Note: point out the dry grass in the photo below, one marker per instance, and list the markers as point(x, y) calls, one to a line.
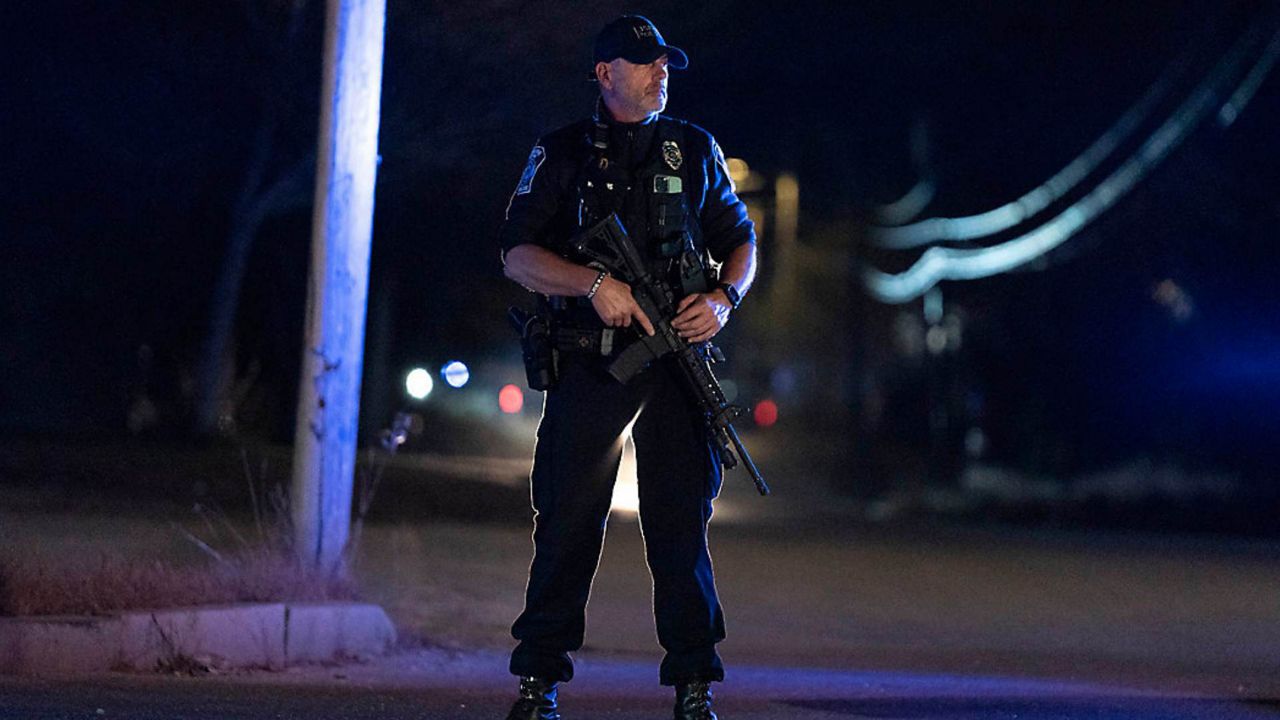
point(239, 562)
point(42, 587)
point(236, 563)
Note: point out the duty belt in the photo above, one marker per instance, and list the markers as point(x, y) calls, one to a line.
point(569, 338)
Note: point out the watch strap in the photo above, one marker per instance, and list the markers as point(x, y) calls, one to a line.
point(731, 292)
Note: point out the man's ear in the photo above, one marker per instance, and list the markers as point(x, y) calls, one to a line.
point(604, 75)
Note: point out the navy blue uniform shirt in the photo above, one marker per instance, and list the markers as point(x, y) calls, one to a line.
point(543, 209)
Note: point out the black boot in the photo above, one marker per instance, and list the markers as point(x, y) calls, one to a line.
point(537, 701)
point(693, 701)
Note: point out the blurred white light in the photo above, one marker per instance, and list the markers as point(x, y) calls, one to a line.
point(730, 389)
point(744, 179)
point(626, 490)
point(933, 306)
point(418, 383)
point(455, 374)
point(936, 340)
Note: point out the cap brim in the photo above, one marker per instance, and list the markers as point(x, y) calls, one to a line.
point(676, 59)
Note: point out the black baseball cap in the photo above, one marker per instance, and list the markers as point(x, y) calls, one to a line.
point(635, 39)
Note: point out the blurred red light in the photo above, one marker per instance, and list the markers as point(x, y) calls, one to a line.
point(511, 399)
point(766, 413)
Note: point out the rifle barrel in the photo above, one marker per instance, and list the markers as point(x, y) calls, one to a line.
point(756, 477)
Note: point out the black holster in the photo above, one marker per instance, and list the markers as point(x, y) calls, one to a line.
point(541, 358)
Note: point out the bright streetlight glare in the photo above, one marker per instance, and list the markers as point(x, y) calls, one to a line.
point(418, 383)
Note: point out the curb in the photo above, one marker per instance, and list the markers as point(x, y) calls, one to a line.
point(268, 635)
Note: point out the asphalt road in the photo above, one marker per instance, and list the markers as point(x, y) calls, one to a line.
point(612, 691)
point(828, 617)
point(824, 622)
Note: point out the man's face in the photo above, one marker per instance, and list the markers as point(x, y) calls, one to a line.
point(640, 89)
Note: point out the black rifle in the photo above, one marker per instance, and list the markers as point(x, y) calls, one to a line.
point(607, 244)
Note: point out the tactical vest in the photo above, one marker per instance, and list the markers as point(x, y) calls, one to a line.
point(654, 202)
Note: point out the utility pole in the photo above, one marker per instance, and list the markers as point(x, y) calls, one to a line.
point(338, 286)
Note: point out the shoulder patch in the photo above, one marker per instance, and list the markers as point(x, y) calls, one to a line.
point(536, 157)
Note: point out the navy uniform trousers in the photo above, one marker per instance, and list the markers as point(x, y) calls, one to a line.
point(576, 462)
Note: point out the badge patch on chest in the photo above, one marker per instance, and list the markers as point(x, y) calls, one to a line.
point(671, 154)
point(530, 170)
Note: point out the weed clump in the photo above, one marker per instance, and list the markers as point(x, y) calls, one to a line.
point(39, 586)
point(249, 560)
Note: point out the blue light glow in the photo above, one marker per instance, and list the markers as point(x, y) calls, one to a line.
point(906, 207)
point(1243, 94)
point(455, 373)
point(1010, 214)
point(941, 263)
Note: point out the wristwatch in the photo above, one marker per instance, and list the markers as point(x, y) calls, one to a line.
point(731, 292)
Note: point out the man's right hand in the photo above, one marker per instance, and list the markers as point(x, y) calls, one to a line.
point(615, 305)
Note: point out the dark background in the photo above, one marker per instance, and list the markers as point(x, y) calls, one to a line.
point(143, 138)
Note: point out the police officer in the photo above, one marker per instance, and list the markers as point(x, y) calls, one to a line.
point(667, 181)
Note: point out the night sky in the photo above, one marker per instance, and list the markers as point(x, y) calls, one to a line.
point(142, 135)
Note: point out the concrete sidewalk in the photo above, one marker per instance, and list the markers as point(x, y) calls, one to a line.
point(268, 635)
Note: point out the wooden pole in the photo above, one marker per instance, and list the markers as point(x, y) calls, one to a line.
point(337, 289)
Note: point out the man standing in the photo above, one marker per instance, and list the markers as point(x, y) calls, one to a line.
point(668, 183)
